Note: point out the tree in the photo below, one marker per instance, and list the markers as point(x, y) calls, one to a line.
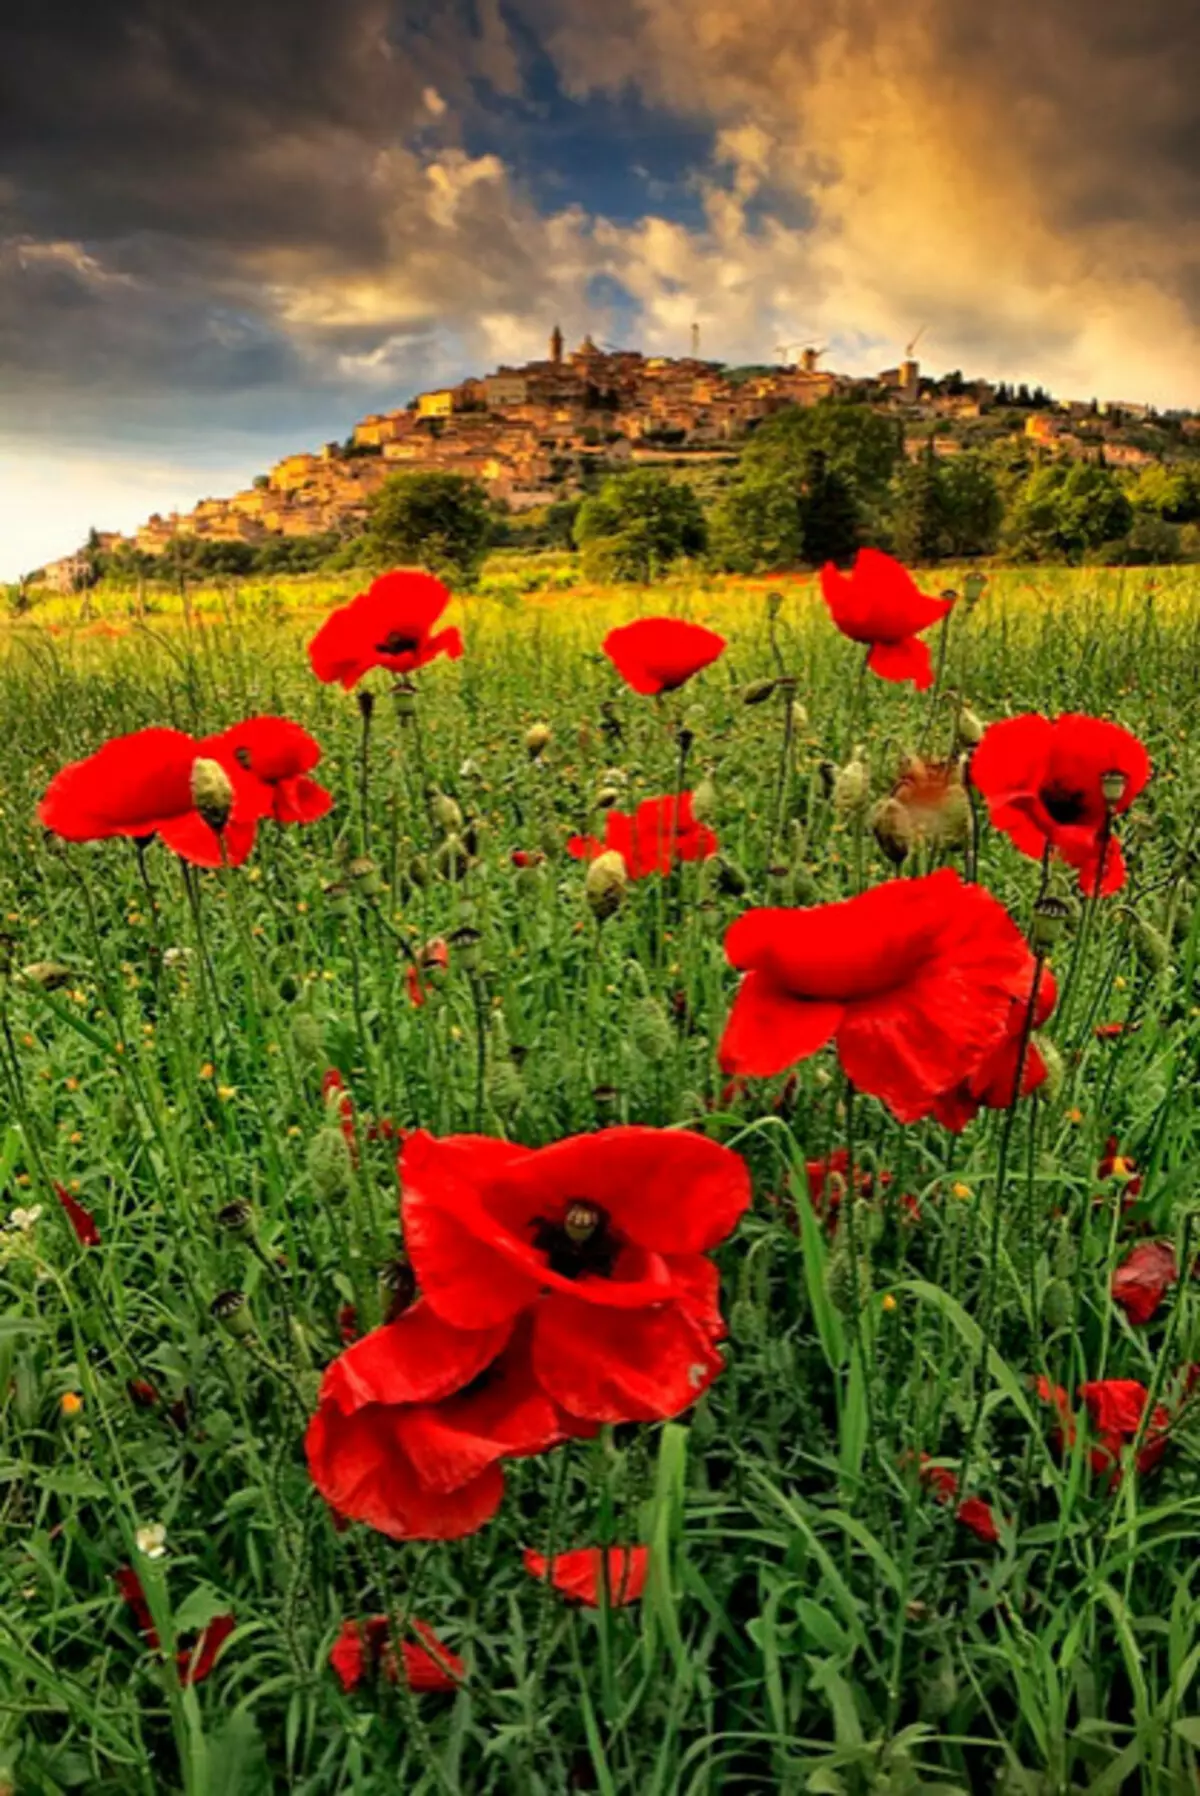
point(920, 511)
point(637, 524)
point(1064, 510)
point(829, 512)
point(439, 522)
point(758, 523)
point(972, 507)
point(859, 445)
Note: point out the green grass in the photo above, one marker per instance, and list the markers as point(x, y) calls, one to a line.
point(814, 1621)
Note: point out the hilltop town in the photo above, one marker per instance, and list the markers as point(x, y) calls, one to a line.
point(529, 433)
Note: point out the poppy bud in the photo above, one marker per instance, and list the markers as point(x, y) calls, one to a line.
point(704, 800)
point(446, 813)
point(212, 792)
point(417, 870)
point(330, 1166)
point(758, 691)
point(970, 727)
point(727, 876)
point(465, 942)
point(366, 704)
point(308, 1038)
point(606, 884)
point(851, 788)
point(941, 1693)
point(606, 797)
point(893, 830)
point(404, 696)
point(1050, 918)
point(537, 740)
point(529, 881)
point(774, 604)
point(650, 1030)
point(551, 839)
point(1150, 946)
point(365, 875)
point(581, 1222)
point(452, 860)
point(231, 1312)
point(49, 974)
point(1055, 1071)
point(844, 1279)
point(615, 776)
point(337, 896)
point(1112, 785)
point(236, 1219)
point(505, 1088)
point(1056, 1303)
point(973, 587)
point(799, 715)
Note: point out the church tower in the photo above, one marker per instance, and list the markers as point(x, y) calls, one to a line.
point(556, 345)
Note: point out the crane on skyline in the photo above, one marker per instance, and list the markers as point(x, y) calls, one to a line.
point(908, 352)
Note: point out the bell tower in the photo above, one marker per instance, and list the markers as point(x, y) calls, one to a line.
point(556, 345)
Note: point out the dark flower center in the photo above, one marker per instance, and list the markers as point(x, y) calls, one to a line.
point(397, 643)
point(242, 757)
point(1064, 805)
point(582, 1244)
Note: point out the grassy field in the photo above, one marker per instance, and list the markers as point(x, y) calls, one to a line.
point(819, 1615)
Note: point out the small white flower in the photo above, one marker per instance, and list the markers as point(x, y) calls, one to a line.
point(25, 1219)
point(176, 957)
point(152, 1540)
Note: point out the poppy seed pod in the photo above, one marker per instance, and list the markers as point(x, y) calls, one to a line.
point(774, 604)
point(1113, 784)
point(446, 813)
point(231, 1312)
point(970, 727)
point(758, 691)
point(551, 839)
point(893, 830)
point(417, 870)
point(1150, 946)
point(1050, 917)
point(606, 797)
point(606, 884)
point(650, 1030)
point(337, 896)
point(49, 974)
point(366, 704)
point(1056, 1303)
point(727, 876)
point(466, 943)
point(330, 1167)
point(212, 792)
point(537, 740)
point(851, 787)
point(365, 875)
point(505, 1088)
point(236, 1220)
point(404, 696)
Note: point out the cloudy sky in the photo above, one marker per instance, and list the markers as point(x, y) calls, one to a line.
point(228, 230)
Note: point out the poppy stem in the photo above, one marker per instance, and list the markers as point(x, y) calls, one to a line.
point(935, 695)
point(859, 1299)
point(1085, 928)
point(787, 687)
point(972, 867)
point(366, 707)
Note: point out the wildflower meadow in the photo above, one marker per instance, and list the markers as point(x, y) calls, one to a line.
point(601, 1192)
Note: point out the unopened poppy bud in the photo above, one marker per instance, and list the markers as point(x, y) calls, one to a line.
point(940, 1693)
point(606, 884)
point(330, 1166)
point(851, 788)
point(970, 727)
point(1050, 918)
point(528, 881)
point(827, 772)
point(337, 896)
point(650, 1030)
point(1056, 1303)
point(973, 587)
point(365, 875)
point(606, 797)
point(366, 703)
point(1112, 785)
point(452, 860)
point(615, 776)
point(231, 1312)
point(799, 715)
point(746, 1322)
point(466, 943)
point(505, 1088)
point(537, 740)
point(758, 691)
point(236, 1219)
point(212, 792)
point(417, 870)
point(846, 1280)
point(704, 800)
point(893, 830)
point(49, 974)
point(308, 1038)
point(1055, 1070)
point(774, 604)
point(1150, 946)
point(580, 1222)
point(404, 696)
point(551, 838)
point(446, 813)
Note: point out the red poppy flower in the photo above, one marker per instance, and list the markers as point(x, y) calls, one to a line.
point(600, 1238)
point(992, 1085)
point(1113, 1164)
point(913, 981)
point(526, 857)
point(390, 625)
point(977, 1515)
point(193, 1662)
point(347, 1322)
point(335, 1097)
point(366, 1644)
point(415, 1418)
point(141, 785)
point(280, 755)
point(652, 840)
point(1116, 1407)
point(658, 654)
point(1042, 780)
point(880, 603)
point(142, 1393)
point(434, 957)
point(940, 1479)
point(86, 1232)
point(584, 1575)
point(1143, 1278)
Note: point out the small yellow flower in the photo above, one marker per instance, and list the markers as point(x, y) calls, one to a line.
point(23, 1180)
point(134, 918)
point(75, 1137)
point(1120, 982)
point(302, 905)
point(294, 1129)
point(272, 1047)
point(70, 1403)
point(27, 1041)
point(889, 1304)
point(225, 1092)
point(72, 1084)
point(960, 1190)
point(78, 997)
point(1075, 1116)
point(207, 1070)
point(76, 1186)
